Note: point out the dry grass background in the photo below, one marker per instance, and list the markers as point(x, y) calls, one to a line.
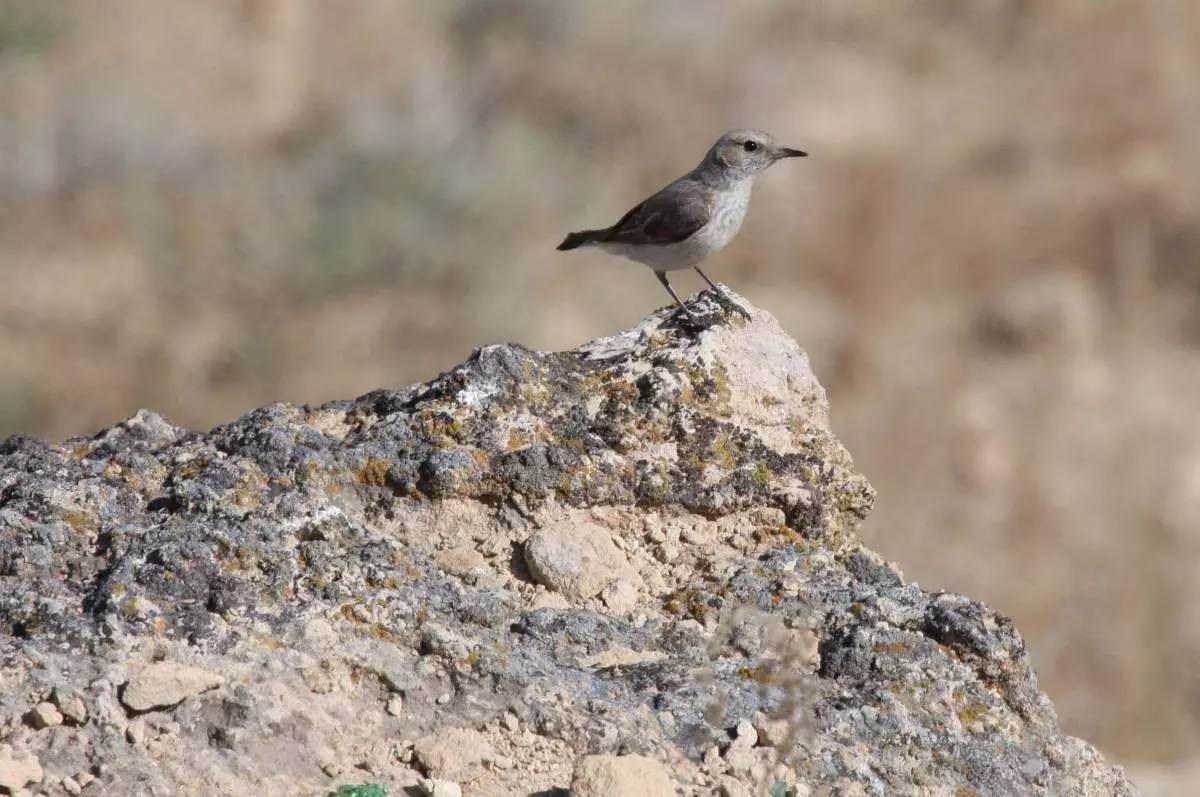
point(993, 254)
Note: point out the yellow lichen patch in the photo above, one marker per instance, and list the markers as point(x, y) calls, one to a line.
point(235, 557)
point(720, 376)
point(800, 429)
point(309, 474)
point(759, 675)
point(81, 522)
point(894, 648)
point(518, 438)
point(374, 472)
point(118, 472)
point(724, 451)
point(192, 468)
point(781, 533)
point(360, 615)
point(688, 602)
point(972, 713)
point(534, 393)
point(710, 388)
point(657, 340)
point(247, 494)
point(621, 393)
point(444, 430)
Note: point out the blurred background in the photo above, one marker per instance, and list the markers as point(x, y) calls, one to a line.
point(992, 254)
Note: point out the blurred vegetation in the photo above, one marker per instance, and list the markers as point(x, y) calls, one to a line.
point(991, 255)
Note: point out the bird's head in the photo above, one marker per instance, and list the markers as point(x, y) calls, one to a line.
point(745, 153)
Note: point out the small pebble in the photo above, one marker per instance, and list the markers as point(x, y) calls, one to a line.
point(746, 734)
point(45, 715)
point(440, 788)
point(73, 710)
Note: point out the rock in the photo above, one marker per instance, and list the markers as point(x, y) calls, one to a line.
point(549, 600)
point(74, 710)
point(729, 786)
point(318, 679)
point(577, 559)
point(166, 684)
point(615, 657)
point(18, 771)
point(455, 754)
point(620, 596)
point(745, 735)
point(621, 776)
point(739, 756)
point(460, 561)
point(135, 732)
point(440, 788)
point(771, 732)
point(678, 482)
point(45, 715)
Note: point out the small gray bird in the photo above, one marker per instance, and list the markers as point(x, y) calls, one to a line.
point(695, 216)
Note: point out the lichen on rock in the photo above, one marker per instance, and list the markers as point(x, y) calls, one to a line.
point(642, 546)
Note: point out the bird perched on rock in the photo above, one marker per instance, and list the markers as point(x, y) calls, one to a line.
point(695, 216)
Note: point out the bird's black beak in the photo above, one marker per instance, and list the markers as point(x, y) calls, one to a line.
point(788, 152)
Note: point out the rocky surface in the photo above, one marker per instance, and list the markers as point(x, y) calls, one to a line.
point(516, 576)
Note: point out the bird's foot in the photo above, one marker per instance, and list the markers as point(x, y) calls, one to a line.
point(723, 298)
point(699, 320)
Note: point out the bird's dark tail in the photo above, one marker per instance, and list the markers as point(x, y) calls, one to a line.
point(575, 240)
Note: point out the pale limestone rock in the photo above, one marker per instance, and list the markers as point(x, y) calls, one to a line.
point(432, 787)
point(18, 771)
point(459, 561)
point(165, 684)
point(45, 715)
point(577, 559)
point(455, 754)
point(74, 711)
point(621, 776)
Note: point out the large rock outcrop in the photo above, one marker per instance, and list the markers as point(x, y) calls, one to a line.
point(502, 581)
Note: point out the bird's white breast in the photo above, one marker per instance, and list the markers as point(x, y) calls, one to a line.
point(728, 210)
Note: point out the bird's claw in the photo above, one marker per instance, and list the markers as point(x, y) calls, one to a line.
point(726, 301)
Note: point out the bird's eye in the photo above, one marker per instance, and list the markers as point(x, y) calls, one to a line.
point(750, 146)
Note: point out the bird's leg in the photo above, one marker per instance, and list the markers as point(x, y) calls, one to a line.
point(662, 277)
point(711, 284)
point(723, 297)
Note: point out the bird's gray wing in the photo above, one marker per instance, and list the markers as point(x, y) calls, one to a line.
point(672, 215)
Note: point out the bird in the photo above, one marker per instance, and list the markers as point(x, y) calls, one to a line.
point(694, 217)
